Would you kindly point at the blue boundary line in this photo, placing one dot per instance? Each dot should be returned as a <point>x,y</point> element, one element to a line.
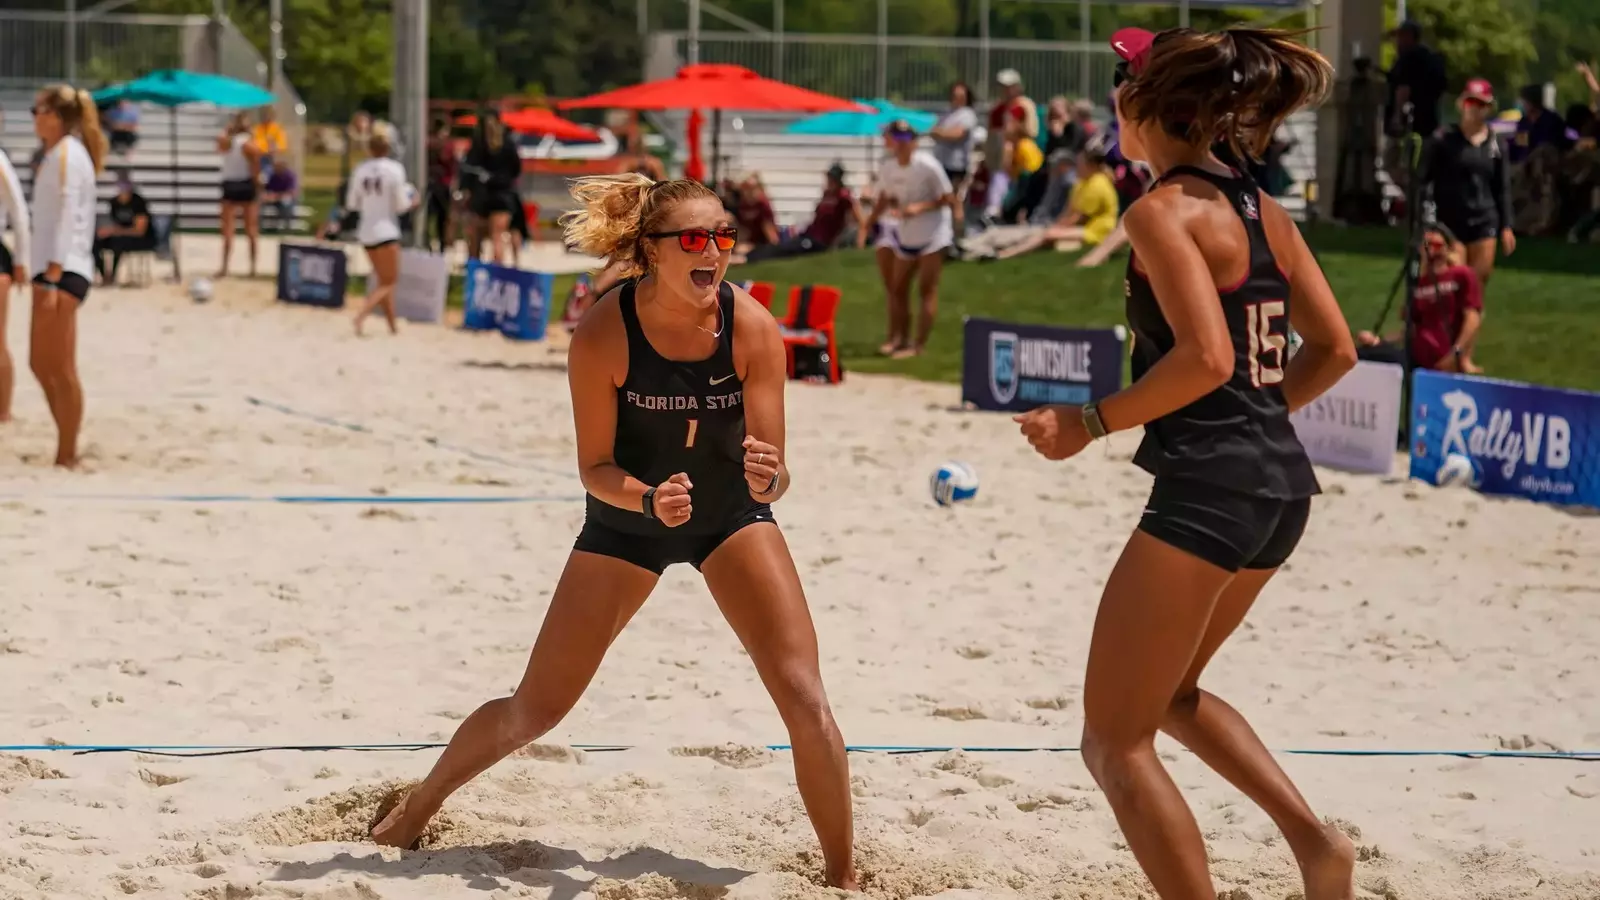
<point>307,499</point>
<point>889,749</point>
<point>430,441</point>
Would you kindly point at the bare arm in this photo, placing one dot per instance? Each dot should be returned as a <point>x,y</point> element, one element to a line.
<point>592,382</point>
<point>1202,357</point>
<point>16,203</point>
<point>764,378</point>
<point>1327,351</point>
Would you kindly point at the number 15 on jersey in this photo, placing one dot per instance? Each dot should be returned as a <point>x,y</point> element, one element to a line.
<point>1264,342</point>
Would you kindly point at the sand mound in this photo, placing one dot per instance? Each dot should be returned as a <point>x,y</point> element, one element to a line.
<point>552,753</point>
<point>734,756</point>
<point>18,770</point>
<point>654,887</point>
<point>900,874</point>
<point>345,817</point>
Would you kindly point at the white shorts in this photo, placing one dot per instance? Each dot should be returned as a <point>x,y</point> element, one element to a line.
<point>888,235</point>
<point>941,242</point>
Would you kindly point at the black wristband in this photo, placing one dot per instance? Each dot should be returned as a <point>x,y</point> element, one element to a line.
<point>649,503</point>
<point>771,486</point>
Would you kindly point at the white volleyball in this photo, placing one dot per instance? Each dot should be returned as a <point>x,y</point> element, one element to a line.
<point>1457,470</point>
<point>952,483</point>
<point>200,290</point>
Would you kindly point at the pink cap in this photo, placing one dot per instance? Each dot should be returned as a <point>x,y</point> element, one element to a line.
<point>1133,45</point>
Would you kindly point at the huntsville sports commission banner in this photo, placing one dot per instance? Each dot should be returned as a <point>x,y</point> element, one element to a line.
<point>511,301</point>
<point>312,275</point>
<point>1523,440</point>
<point>1012,367</point>
<point>419,294</point>
<point>1353,426</point>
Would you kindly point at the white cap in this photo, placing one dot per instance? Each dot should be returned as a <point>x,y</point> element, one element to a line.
<point>1008,78</point>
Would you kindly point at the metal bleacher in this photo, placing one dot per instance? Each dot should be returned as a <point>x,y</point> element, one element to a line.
<point>187,183</point>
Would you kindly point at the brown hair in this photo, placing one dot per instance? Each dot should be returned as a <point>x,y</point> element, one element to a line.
<point>615,212</point>
<point>1237,85</point>
<point>79,116</point>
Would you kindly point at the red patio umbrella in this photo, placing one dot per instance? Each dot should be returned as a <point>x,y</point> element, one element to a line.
<point>540,121</point>
<point>715,86</point>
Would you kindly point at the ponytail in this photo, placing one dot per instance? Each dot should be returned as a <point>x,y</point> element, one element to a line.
<point>89,130</point>
<point>1237,85</point>
<point>615,212</point>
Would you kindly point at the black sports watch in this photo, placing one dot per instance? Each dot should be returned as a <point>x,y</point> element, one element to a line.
<point>1092,422</point>
<point>649,503</point>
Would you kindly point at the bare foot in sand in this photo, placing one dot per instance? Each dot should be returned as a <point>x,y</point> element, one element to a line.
<point>1330,873</point>
<point>404,824</point>
<point>846,882</point>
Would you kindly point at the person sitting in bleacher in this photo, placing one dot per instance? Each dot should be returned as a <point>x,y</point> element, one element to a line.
<point>834,214</point>
<point>129,231</point>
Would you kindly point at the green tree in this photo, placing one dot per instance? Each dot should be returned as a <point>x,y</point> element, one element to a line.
<point>1478,39</point>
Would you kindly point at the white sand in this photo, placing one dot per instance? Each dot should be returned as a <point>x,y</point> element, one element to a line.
<point>1410,618</point>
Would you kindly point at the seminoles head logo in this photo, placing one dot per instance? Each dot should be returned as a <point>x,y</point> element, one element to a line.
<point>1248,202</point>
<point>1003,365</point>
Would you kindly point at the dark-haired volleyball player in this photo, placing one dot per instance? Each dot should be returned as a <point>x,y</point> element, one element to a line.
<point>1219,272</point>
<point>677,382</point>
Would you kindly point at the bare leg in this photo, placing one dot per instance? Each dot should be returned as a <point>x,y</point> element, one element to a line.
<point>1223,740</point>
<point>1152,618</point>
<point>499,236</point>
<point>1025,246</point>
<point>8,372</point>
<point>228,211</point>
<point>885,259</point>
<point>593,602</point>
<point>930,267</point>
<point>53,356</point>
<point>900,302</point>
<point>753,578</point>
<point>1480,256</point>
<point>252,232</point>
<point>385,272</point>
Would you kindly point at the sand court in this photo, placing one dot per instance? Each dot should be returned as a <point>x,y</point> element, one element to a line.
<point>184,590</point>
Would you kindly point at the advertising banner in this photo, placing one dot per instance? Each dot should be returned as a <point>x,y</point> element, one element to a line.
<point>1355,425</point>
<point>1015,368</point>
<point>311,275</point>
<point>511,301</point>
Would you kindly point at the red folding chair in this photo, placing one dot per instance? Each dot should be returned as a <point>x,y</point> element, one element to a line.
<point>762,291</point>
<point>810,323</point>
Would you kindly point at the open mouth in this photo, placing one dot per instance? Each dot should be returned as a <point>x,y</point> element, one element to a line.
<point>704,277</point>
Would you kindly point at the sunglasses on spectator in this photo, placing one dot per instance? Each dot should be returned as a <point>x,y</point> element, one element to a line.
<point>694,240</point>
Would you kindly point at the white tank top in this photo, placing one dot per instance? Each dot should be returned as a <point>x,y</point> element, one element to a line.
<point>235,165</point>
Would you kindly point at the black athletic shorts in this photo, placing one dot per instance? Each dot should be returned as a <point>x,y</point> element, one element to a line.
<point>6,262</point>
<point>70,283</point>
<point>1228,529</point>
<point>656,552</point>
<point>241,191</point>
<point>485,202</point>
<point>1471,227</point>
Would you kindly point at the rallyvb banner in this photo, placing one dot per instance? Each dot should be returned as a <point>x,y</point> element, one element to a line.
<point>311,275</point>
<point>1520,439</point>
<point>1013,367</point>
<point>511,301</point>
<point>1355,424</point>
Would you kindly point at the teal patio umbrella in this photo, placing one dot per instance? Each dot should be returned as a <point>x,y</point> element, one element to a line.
<point>867,125</point>
<point>173,88</point>
<point>848,123</point>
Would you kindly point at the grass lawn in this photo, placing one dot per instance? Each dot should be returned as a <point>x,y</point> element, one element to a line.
<point>1542,321</point>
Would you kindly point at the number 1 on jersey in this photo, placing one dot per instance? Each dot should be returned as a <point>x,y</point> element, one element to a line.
<point>694,425</point>
<point>1258,321</point>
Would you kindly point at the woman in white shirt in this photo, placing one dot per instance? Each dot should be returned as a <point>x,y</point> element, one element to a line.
<point>913,187</point>
<point>13,268</point>
<point>241,175</point>
<point>62,253</point>
<point>380,194</point>
<point>954,137</point>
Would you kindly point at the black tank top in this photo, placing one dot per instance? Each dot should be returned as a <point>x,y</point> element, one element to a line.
<point>1238,436</point>
<point>680,417</point>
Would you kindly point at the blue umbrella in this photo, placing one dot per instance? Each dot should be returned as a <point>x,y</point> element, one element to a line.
<point>176,87</point>
<point>863,124</point>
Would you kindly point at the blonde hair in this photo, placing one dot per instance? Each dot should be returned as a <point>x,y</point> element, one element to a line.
<point>79,116</point>
<point>615,212</point>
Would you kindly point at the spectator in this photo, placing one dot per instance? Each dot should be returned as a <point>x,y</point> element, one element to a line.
<point>279,194</point>
<point>497,166</point>
<point>758,226</point>
<point>1445,311</point>
<point>270,139</point>
<point>1470,178</point>
<point>1023,162</point>
<point>129,231</point>
<point>1416,84</point>
<point>834,212</point>
<point>123,120</point>
<point>1091,213</point>
<point>241,179</point>
<point>442,171</point>
<point>1583,166</point>
<point>914,187</point>
<point>13,267</point>
<point>954,137</point>
<point>1012,106</point>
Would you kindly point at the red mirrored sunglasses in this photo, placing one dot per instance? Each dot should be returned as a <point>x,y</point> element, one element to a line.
<point>694,240</point>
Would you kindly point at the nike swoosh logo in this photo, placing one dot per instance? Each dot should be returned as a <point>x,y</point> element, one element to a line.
<point>1120,48</point>
<point>717,381</point>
